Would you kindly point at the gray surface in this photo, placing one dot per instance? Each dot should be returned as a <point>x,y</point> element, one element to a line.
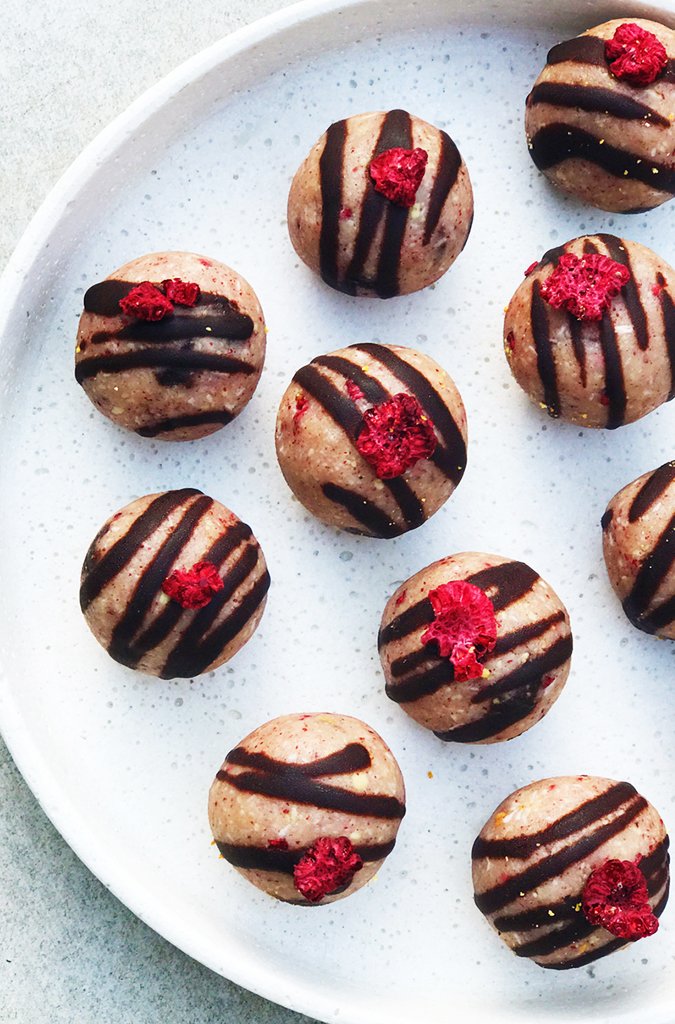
<point>69,951</point>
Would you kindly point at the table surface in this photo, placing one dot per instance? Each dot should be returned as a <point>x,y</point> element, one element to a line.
<point>69,951</point>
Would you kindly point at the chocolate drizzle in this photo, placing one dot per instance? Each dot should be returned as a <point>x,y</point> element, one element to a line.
<point>593,98</point>
<point>147,620</point>
<point>449,163</point>
<point>331,166</point>
<point>654,487</point>
<point>589,49</point>
<point>298,783</point>
<point>541,334</point>
<point>554,143</point>
<point>270,858</point>
<point>174,423</point>
<point>668,311</point>
<point>650,577</point>
<point>181,359</point>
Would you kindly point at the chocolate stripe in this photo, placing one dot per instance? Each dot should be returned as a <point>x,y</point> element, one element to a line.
<point>661,616</point>
<point>413,618</point>
<point>186,360</point>
<point>418,385</point>
<point>615,388</point>
<point>654,487</point>
<point>555,143</point>
<point>500,716</point>
<point>331,165</point>
<point>374,521</point>
<point>530,673</point>
<point>344,412</point>
<point>591,50</point>
<point>421,685</point>
<point>260,858</point>
<point>449,163</point>
<point>294,783</point>
<point>583,816</point>
<point>501,895</point>
<point>510,641</point>
<point>149,583</point>
<point>593,98</point>
<point>96,575</point>
<point>541,335</point>
<point>651,575</point>
<point>159,629</point>
<point>578,347</point>
<point>352,758</point>
<point>396,131</point>
<point>180,422</point>
<point>668,310</point>
<point>629,293</point>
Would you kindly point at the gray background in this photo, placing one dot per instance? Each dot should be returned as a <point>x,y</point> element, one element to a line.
<point>69,951</point>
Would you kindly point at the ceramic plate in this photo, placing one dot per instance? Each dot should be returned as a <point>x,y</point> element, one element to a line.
<point>122,763</point>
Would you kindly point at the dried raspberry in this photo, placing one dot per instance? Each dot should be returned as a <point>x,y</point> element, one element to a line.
<point>395,435</point>
<point>301,407</point>
<point>278,844</point>
<point>193,588</point>
<point>584,285</point>
<point>397,173</point>
<point>464,626</point>
<point>532,266</point>
<point>183,293</point>
<point>346,213</point>
<point>615,897</point>
<point>354,391</point>
<point>636,55</point>
<point>328,865</point>
<point>146,302</point>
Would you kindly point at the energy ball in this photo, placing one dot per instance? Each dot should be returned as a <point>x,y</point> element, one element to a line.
<point>638,538</point>
<point>475,647</point>
<point>372,438</point>
<point>382,205</point>
<point>171,345</point>
<point>307,807</point>
<point>173,584</point>
<point>570,869</point>
<point>590,333</point>
<point>599,120</point>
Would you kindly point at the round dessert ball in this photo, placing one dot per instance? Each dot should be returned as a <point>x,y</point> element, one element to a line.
<point>599,120</point>
<point>589,333</point>
<point>567,870</point>
<point>307,807</point>
<point>638,538</point>
<point>171,345</point>
<point>173,584</point>
<point>382,205</point>
<point>475,647</point>
<point>372,438</point>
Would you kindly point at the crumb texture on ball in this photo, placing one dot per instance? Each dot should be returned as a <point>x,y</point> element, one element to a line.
<point>357,239</point>
<point>299,780</point>
<point>184,374</point>
<point>602,372</point>
<point>523,673</point>
<point>604,139</point>
<point>124,582</point>
<point>322,417</point>
<point>536,853</point>
<point>638,534</point>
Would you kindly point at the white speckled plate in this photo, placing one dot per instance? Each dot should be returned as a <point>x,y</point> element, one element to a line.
<point>122,763</point>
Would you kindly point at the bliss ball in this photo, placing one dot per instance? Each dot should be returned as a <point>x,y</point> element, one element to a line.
<point>382,205</point>
<point>590,333</point>
<point>171,345</point>
<point>307,807</point>
<point>372,438</point>
<point>567,870</point>
<point>173,584</point>
<point>599,120</point>
<point>475,647</point>
<point>638,538</point>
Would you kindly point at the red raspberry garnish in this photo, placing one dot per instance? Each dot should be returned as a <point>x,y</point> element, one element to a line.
<point>278,844</point>
<point>328,865</point>
<point>146,302</point>
<point>584,285</point>
<point>193,588</point>
<point>532,266</point>
<point>395,435</point>
<point>464,626</point>
<point>183,293</point>
<point>301,407</point>
<point>397,173</point>
<point>635,54</point>
<point>615,897</point>
<point>354,391</point>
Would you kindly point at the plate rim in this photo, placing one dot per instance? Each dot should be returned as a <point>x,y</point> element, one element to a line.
<point>242,968</point>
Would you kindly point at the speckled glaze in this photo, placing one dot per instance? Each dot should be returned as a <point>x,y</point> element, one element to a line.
<point>123,764</point>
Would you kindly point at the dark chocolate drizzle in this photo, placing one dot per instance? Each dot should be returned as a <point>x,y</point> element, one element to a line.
<point>541,335</point>
<point>591,50</point>
<point>615,385</point>
<point>449,163</point>
<point>331,169</point>
<point>654,487</point>
<point>557,142</point>
<point>298,782</point>
<point>374,521</point>
<point>182,359</point>
<point>271,858</point>
<point>172,423</point>
<point>651,575</point>
<point>593,98</point>
<point>668,311</point>
<point>630,292</point>
<point>607,517</point>
<point>345,413</point>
